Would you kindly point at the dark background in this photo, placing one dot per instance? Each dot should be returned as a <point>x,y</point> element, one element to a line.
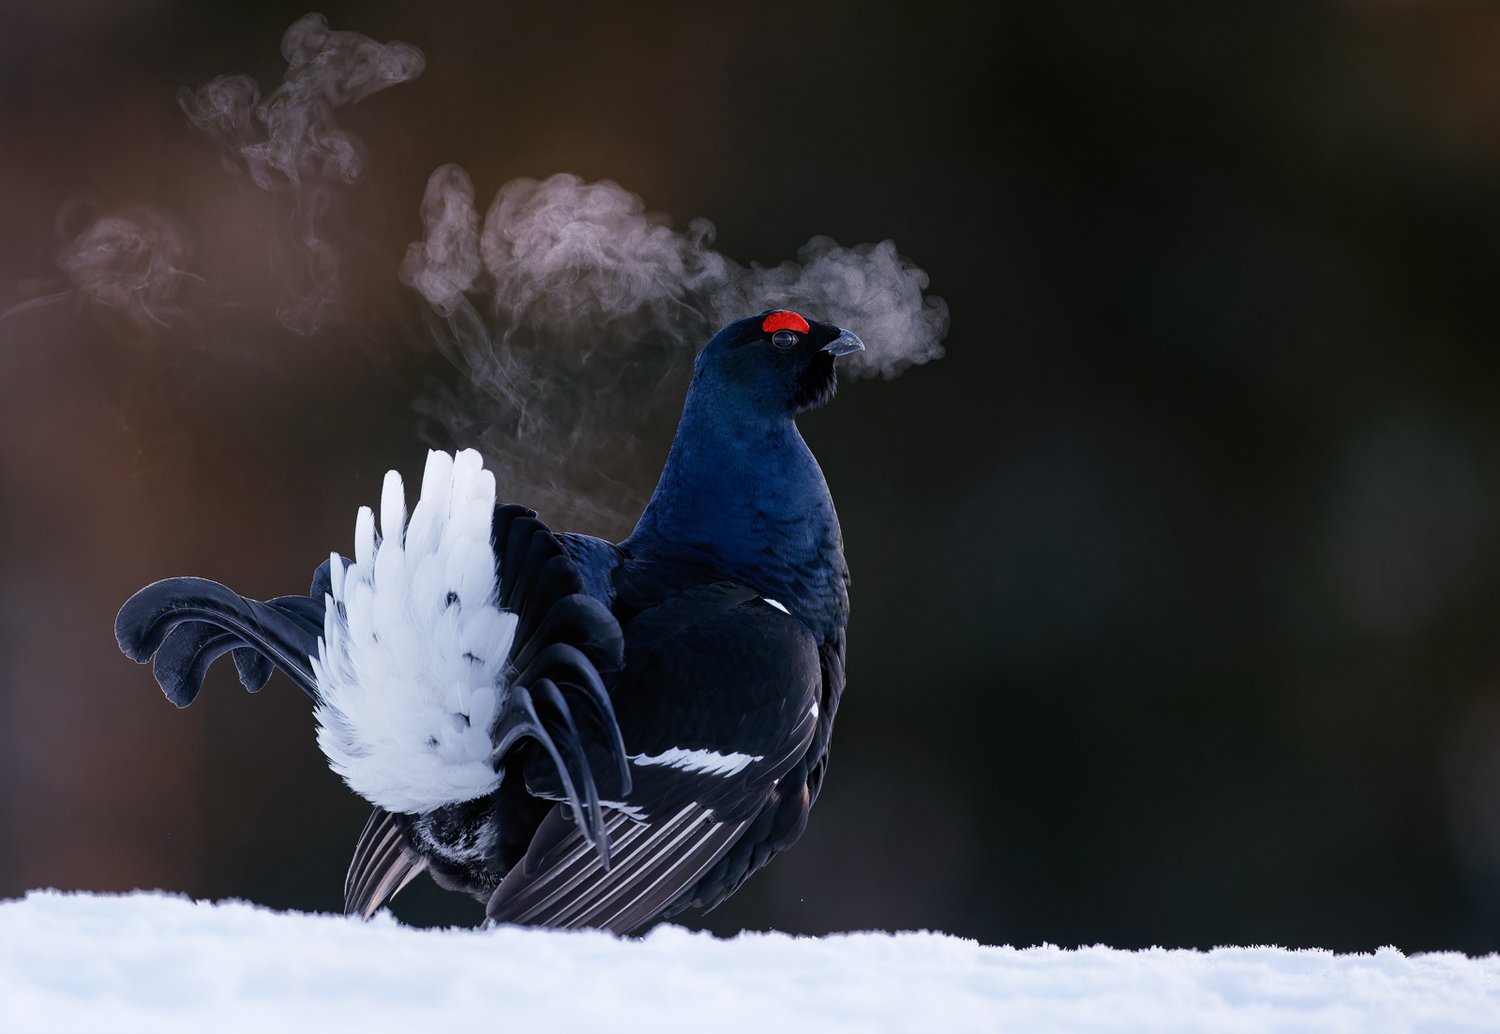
<point>1177,582</point>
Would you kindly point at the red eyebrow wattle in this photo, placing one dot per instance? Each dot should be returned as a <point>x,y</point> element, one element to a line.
<point>784,319</point>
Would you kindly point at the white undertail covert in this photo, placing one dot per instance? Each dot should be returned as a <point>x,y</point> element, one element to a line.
<point>412,664</point>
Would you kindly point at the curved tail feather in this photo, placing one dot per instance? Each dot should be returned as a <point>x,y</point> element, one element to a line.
<point>564,639</point>
<point>188,623</point>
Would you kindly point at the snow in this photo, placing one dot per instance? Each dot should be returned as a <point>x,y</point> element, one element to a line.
<point>152,962</point>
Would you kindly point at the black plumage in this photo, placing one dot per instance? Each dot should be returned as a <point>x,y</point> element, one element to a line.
<point>664,720</point>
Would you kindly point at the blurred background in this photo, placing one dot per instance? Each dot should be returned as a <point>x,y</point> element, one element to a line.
<point>1176,582</point>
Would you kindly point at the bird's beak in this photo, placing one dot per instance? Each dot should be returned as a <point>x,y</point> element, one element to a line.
<point>843,344</point>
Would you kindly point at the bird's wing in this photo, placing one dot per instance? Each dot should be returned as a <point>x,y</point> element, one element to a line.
<point>653,863</point>
<point>717,703</point>
<point>560,883</point>
<point>383,863</point>
<point>781,823</point>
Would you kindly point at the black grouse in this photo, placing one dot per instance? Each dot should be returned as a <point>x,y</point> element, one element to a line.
<point>578,733</point>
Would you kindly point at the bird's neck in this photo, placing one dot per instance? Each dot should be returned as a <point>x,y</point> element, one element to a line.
<point>744,491</point>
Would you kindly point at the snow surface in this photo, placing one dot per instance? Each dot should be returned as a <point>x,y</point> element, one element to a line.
<point>152,962</point>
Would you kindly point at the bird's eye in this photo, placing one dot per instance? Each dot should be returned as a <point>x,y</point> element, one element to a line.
<point>784,339</point>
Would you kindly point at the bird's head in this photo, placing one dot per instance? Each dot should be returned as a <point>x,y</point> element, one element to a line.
<point>778,363</point>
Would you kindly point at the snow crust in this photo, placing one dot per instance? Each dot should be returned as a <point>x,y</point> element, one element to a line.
<point>152,962</point>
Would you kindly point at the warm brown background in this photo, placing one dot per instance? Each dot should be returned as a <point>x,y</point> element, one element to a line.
<point>1177,583</point>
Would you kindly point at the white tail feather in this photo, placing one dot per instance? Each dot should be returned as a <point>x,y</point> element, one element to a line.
<point>412,664</point>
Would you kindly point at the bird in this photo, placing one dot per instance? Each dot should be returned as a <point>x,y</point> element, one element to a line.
<point>573,731</point>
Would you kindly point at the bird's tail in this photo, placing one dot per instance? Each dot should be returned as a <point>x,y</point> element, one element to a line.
<point>452,647</point>
<point>188,623</point>
<point>459,643</point>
